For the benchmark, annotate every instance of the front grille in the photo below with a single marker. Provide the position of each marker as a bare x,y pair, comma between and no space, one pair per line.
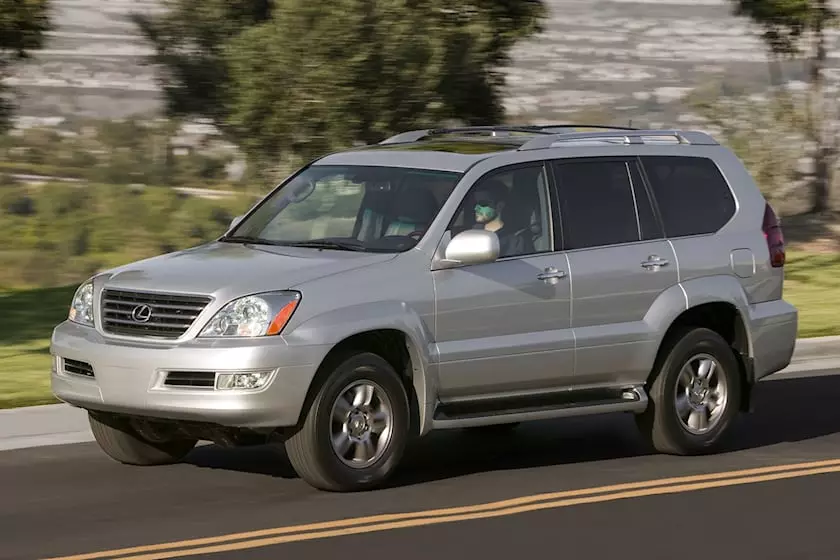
75,367
190,379
148,314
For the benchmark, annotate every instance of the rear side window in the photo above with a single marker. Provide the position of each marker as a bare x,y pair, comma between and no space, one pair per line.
599,203
691,193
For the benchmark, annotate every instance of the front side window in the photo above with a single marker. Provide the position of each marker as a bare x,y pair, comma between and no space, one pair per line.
513,203
363,208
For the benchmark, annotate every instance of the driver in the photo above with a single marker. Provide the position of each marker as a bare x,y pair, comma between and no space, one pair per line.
490,199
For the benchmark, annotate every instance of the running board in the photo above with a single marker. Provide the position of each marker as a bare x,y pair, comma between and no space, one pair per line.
485,412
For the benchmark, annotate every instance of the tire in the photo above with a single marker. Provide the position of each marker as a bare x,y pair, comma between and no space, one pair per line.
661,424
124,444
311,451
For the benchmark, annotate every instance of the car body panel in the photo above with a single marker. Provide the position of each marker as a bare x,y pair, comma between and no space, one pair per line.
613,295
500,329
127,377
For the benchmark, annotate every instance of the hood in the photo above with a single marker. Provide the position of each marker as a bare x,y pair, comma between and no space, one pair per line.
228,270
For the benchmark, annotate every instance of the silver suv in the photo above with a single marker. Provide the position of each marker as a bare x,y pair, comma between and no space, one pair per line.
451,278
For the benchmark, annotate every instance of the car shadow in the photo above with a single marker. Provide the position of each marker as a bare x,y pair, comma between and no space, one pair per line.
786,411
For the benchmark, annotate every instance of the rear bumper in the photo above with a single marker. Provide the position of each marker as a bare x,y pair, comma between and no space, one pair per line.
774,326
128,377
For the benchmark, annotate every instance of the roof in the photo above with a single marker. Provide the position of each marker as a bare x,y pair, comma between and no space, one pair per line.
411,157
457,149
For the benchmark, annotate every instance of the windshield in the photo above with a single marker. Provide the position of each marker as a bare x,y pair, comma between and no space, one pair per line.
359,208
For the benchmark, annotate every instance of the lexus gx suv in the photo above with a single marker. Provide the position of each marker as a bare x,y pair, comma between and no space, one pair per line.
446,278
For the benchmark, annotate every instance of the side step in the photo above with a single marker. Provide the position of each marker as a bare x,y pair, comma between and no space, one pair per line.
484,412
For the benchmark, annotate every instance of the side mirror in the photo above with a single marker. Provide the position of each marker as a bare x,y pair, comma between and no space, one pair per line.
474,246
235,221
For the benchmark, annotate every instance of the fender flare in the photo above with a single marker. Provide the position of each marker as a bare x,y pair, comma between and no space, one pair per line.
338,325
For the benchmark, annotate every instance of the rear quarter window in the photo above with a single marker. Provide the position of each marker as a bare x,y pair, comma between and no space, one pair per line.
691,193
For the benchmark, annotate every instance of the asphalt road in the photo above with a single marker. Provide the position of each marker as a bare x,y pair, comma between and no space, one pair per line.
72,500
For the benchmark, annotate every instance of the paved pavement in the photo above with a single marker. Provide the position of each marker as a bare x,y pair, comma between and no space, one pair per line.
35,426
70,499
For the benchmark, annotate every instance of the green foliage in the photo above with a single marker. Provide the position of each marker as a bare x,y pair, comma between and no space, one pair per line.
112,152
798,29
293,79
189,40
752,127
23,25
59,234
785,22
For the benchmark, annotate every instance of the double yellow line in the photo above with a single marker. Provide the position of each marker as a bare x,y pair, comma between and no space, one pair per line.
386,522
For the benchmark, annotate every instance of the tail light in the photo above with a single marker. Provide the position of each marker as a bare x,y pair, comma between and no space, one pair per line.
775,238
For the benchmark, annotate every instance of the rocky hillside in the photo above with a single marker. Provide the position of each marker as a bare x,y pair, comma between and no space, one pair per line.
635,56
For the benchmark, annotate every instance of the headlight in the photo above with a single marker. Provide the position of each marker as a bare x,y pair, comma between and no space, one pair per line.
257,315
81,309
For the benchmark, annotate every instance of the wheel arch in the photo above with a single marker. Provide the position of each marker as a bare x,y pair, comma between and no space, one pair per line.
392,330
724,318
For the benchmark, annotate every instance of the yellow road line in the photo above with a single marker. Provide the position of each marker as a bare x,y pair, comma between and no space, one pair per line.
341,527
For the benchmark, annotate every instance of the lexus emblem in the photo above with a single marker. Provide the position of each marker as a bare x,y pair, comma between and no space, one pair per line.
141,314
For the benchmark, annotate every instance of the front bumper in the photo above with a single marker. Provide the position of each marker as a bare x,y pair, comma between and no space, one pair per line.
128,377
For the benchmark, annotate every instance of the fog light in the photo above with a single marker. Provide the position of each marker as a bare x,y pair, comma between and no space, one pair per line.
243,380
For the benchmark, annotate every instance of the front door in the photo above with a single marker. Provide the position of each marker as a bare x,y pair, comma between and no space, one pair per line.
505,327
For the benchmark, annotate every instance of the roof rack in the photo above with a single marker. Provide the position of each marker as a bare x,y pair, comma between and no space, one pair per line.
544,127
630,136
500,130
547,135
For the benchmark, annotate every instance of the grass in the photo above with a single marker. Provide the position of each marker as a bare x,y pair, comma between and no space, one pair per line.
812,284
28,317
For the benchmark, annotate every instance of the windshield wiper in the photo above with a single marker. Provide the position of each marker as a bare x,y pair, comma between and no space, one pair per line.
247,239
328,244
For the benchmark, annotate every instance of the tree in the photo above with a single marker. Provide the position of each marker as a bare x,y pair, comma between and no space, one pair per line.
795,29
23,26
189,40
293,77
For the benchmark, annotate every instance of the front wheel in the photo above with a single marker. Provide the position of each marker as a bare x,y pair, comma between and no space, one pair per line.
694,396
354,434
122,442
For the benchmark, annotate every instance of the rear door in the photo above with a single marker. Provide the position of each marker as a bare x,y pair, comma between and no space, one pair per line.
620,263
695,202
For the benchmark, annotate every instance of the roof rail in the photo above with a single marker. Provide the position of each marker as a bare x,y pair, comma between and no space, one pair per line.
624,137
496,130
543,127
410,136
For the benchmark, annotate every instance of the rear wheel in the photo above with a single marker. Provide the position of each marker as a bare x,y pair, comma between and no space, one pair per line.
354,434
694,396
122,442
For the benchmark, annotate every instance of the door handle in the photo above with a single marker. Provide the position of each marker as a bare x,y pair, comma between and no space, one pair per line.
551,274
654,262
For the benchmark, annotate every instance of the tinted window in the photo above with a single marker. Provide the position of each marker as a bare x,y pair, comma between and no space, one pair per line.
514,204
597,203
649,226
691,193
